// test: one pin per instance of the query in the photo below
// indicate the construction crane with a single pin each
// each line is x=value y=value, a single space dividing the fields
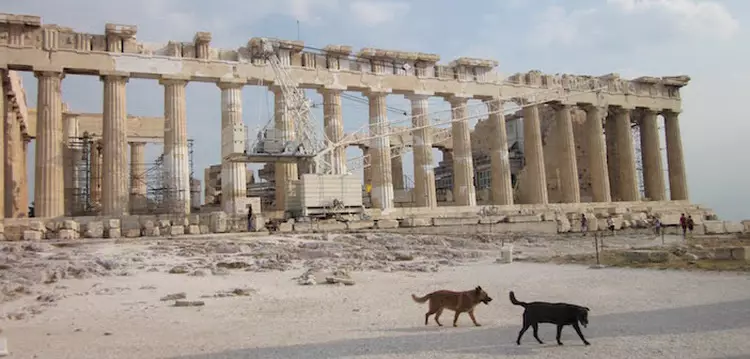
x=308 y=143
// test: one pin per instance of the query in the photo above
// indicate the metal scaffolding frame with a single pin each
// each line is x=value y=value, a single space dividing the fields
x=79 y=194
x=160 y=198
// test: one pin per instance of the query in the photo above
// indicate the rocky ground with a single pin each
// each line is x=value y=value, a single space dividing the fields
x=36 y=278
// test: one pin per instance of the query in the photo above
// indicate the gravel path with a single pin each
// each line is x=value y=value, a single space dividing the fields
x=635 y=314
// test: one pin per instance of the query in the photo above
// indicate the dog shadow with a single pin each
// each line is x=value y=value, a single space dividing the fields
x=500 y=340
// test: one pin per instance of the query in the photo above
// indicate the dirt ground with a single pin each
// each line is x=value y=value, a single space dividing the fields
x=270 y=297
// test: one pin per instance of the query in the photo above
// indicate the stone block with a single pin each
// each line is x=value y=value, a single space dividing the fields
x=147 y=221
x=286 y=227
x=164 y=223
x=112 y=223
x=548 y=216
x=732 y=253
x=31 y=235
x=71 y=224
x=416 y=222
x=38 y=226
x=669 y=219
x=2 y=227
x=525 y=218
x=114 y=233
x=647 y=256
x=193 y=229
x=492 y=219
x=176 y=230
x=151 y=232
x=218 y=222
x=563 y=225
x=332 y=226
x=387 y=223
x=455 y=221
x=614 y=211
x=634 y=217
x=359 y=225
x=67 y=234
x=194 y=220
x=53 y=226
x=733 y=227
x=714 y=227
x=204 y=229
x=745 y=226
x=94 y=229
x=131 y=232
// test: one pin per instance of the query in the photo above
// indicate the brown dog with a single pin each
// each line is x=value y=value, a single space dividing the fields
x=458 y=302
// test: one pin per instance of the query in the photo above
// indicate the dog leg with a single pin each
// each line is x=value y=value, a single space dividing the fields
x=455 y=319
x=471 y=315
x=437 y=317
x=427 y=317
x=535 y=326
x=559 y=334
x=578 y=330
x=523 y=330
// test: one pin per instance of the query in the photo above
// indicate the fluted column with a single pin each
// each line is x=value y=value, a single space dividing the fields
x=571 y=192
x=284 y=173
x=95 y=180
x=49 y=197
x=464 y=193
x=653 y=173
x=626 y=171
x=233 y=174
x=424 y=172
x=610 y=138
x=534 y=157
x=367 y=170
x=397 y=170
x=176 y=160
x=4 y=108
x=675 y=160
x=21 y=206
x=334 y=128
x=380 y=153
x=138 y=186
x=597 y=154
x=501 y=187
x=115 y=192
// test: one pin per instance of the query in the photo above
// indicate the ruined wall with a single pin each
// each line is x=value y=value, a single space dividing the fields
x=551 y=147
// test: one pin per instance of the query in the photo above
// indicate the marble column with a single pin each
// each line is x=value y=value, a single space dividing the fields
x=72 y=160
x=626 y=171
x=176 y=159
x=367 y=166
x=233 y=174
x=95 y=180
x=501 y=187
x=115 y=191
x=675 y=161
x=597 y=157
x=380 y=153
x=534 y=157
x=610 y=138
x=284 y=173
x=571 y=191
x=4 y=108
x=653 y=173
x=138 y=186
x=424 y=172
x=49 y=196
x=397 y=170
x=22 y=208
x=333 y=122
x=464 y=193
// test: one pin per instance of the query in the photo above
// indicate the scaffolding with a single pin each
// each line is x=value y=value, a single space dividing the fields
x=78 y=189
x=161 y=197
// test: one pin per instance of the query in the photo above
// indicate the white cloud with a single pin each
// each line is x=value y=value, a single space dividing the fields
x=372 y=13
x=695 y=17
x=561 y=27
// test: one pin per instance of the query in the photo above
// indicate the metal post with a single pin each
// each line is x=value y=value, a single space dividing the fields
x=596 y=246
x=661 y=229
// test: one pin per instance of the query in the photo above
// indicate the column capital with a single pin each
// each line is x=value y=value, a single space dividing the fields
x=419 y=95
x=137 y=143
x=174 y=80
x=331 y=89
x=458 y=98
x=670 y=113
x=560 y=106
x=377 y=92
x=618 y=110
x=591 y=107
x=231 y=84
x=49 y=73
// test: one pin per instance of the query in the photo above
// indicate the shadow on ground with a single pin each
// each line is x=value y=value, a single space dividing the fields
x=500 y=340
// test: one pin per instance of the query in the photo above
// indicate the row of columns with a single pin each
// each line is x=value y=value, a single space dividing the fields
x=611 y=158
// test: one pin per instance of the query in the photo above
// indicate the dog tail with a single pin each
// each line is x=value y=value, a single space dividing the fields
x=516 y=301
x=420 y=299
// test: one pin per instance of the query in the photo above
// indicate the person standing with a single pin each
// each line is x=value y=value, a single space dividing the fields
x=250 y=218
x=683 y=224
x=690 y=224
x=657 y=226
x=584 y=224
x=611 y=225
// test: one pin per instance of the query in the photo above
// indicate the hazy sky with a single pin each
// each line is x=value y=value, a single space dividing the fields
x=707 y=40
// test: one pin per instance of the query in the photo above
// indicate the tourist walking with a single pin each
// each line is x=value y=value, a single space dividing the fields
x=683 y=224
x=690 y=224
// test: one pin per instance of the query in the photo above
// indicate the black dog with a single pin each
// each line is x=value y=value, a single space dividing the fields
x=560 y=314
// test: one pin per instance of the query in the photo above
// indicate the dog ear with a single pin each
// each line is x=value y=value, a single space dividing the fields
x=587 y=309
x=478 y=289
